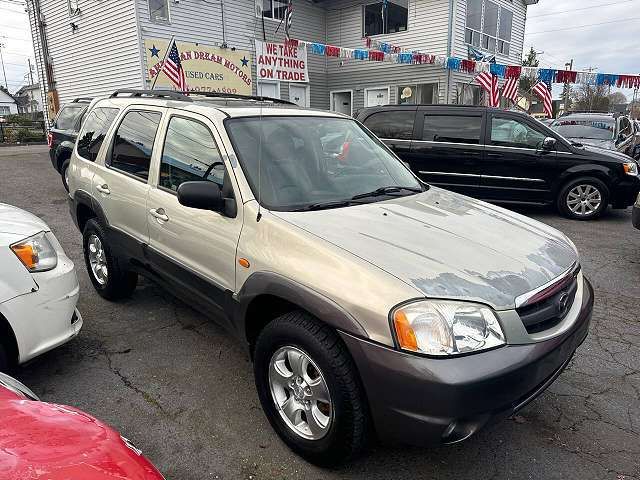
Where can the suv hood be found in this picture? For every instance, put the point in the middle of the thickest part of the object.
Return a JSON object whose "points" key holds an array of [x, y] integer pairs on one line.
{"points": [[447, 245], [594, 142], [18, 222]]}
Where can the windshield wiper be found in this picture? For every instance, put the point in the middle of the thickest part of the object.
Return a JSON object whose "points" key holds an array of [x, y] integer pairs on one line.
{"points": [[324, 205], [387, 191]]}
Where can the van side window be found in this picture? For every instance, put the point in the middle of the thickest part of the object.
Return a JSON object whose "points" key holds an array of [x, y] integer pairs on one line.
{"points": [[94, 130], [452, 128], [133, 143], [190, 153], [393, 125], [507, 132]]}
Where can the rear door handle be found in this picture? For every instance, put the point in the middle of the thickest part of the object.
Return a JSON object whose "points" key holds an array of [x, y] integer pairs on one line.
{"points": [[103, 189], [159, 214]]}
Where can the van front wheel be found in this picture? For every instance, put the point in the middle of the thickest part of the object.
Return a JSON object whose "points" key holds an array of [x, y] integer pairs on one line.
{"points": [[583, 198]]}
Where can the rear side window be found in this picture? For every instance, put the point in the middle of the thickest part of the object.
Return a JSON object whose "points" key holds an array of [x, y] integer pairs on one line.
{"points": [[66, 119], [133, 143], [190, 153], [396, 125], [450, 128], [94, 130]]}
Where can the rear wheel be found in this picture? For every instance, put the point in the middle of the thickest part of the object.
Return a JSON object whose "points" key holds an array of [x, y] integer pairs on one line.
{"points": [[309, 389], [64, 172], [583, 198], [108, 276]]}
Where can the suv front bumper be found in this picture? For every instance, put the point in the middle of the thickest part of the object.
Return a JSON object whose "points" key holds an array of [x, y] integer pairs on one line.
{"points": [[425, 401]]}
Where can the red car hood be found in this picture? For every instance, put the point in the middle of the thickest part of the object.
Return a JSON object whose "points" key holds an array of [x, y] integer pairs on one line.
{"points": [[45, 441]]}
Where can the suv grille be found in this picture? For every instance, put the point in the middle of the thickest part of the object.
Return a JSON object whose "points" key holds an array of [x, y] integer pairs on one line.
{"points": [[549, 307]]}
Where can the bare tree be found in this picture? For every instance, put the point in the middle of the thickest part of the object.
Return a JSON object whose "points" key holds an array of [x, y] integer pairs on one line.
{"points": [[590, 98], [618, 98]]}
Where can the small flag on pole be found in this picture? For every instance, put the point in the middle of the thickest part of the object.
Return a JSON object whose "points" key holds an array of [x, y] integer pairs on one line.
{"points": [[510, 89], [288, 20], [541, 89], [172, 67], [489, 83]]}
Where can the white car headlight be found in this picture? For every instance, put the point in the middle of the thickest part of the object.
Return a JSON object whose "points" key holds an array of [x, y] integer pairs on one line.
{"points": [[444, 327], [36, 253]]}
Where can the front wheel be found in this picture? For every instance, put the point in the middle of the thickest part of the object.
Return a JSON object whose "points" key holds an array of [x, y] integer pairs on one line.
{"points": [[309, 389], [583, 198], [64, 173]]}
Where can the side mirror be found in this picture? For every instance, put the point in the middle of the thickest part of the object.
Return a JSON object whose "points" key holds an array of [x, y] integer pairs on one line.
{"points": [[549, 144], [202, 195]]}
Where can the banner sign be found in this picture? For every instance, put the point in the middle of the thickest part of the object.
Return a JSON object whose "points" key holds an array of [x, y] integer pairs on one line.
{"points": [[208, 69], [287, 63]]}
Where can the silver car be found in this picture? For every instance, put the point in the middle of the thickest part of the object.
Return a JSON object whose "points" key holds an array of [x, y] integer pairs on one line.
{"points": [[367, 300]]}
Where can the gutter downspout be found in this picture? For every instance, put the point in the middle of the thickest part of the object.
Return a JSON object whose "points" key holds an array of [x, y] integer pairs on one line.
{"points": [[449, 48]]}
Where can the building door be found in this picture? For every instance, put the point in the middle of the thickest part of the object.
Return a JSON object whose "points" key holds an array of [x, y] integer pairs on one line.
{"points": [[299, 94], [341, 102], [376, 97], [269, 89]]}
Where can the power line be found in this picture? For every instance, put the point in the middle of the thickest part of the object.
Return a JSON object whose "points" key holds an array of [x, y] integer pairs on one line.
{"points": [[578, 9], [584, 26]]}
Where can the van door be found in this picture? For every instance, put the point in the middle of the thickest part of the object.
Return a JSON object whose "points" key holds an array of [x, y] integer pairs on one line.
{"points": [[516, 169], [448, 149]]}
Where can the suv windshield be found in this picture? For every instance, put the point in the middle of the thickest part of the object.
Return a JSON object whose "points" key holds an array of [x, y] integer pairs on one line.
{"points": [[597, 129], [309, 163], [67, 117]]}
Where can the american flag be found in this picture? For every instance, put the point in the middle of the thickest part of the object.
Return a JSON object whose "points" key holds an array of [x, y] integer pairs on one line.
{"points": [[490, 83], [172, 67], [288, 18], [510, 89], [542, 90]]}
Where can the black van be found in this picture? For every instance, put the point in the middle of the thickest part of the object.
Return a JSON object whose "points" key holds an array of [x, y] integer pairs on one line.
{"points": [[504, 157]]}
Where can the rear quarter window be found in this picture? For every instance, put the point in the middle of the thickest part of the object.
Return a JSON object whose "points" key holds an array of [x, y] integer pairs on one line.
{"points": [[392, 124], [67, 117], [95, 127]]}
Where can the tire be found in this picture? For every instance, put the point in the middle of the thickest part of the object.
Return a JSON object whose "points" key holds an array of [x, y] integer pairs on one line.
{"points": [[345, 415], [63, 174], [582, 193], [118, 282]]}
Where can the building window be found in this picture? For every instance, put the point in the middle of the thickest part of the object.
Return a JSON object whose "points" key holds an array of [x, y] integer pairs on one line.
{"points": [[488, 26], [274, 9], [388, 16], [4, 110], [425, 94], [469, 94], [74, 8], [159, 11]]}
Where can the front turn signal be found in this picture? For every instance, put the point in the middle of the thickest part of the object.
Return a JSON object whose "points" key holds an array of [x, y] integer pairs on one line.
{"points": [[406, 335]]}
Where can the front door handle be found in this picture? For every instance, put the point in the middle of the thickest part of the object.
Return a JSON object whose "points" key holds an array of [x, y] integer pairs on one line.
{"points": [[159, 214], [103, 189]]}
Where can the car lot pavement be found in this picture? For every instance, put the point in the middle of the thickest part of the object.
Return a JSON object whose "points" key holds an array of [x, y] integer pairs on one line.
{"points": [[182, 389]]}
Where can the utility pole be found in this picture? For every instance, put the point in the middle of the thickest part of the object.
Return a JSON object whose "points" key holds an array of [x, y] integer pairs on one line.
{"points": [[567, 88], [32, 101], [4, 73]]}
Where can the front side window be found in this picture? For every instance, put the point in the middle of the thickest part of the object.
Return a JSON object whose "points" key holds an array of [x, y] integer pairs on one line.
{"points": [[133, 143], [95, 128], [424, 94], [159, 11], [389, 16], [488, 26], [394, 125], [507, 132], [453, 129], [304, 163], [190, 154], [67, 117]]}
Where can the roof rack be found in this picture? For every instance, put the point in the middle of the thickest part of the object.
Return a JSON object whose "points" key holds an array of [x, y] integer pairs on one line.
{"points": [[167, 94], [81, 99], [235, 96]]}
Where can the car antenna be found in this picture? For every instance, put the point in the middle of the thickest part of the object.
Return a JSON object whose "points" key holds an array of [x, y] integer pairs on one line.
{"points": [[260, 132]]}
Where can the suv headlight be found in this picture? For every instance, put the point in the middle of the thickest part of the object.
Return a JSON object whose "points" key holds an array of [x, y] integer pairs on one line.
{"points": [[630, 168], [36, 253], [445, 328]]}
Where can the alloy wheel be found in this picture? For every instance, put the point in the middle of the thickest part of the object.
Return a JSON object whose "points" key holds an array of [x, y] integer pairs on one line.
{"points": [[300, 393], [97, 259], [584, 200]]}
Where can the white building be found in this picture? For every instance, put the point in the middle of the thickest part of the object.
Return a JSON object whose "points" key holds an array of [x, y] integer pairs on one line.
{"points": [[8, 104], [93, 48], [30, 99]]}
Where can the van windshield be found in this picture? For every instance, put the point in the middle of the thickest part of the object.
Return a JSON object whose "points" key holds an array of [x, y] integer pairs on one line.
{"points": [[592, 129], [309, 163]]}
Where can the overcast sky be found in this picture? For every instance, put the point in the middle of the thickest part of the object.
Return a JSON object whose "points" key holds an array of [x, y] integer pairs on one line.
{"points": [[612, 46]]}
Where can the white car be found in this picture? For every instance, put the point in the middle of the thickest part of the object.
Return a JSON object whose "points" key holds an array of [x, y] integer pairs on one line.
{"points": [[38, 289]]}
